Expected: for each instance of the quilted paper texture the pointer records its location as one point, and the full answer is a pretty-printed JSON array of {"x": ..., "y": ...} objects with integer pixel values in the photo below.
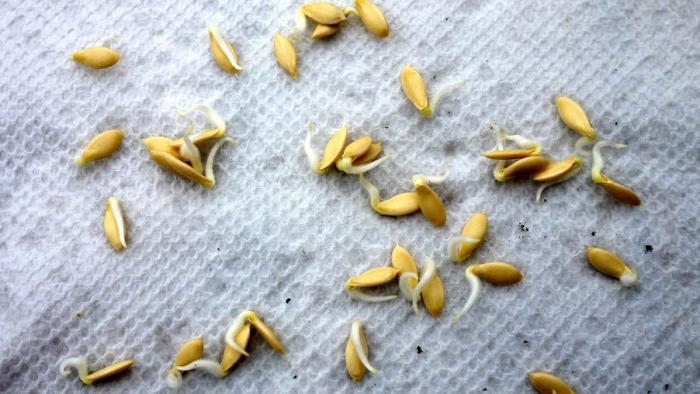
[{"x": 274, "y": 237}]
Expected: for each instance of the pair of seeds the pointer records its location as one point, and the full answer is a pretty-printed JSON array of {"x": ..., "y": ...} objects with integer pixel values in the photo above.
[
  {"x": 414, "y": 87},
  {"x": 423, "y": 198},
  {"x": 357, "y": 352},
  {"x": 81, "y": 367},
  {"x": 545, "y": 383},
  {"x": 100, "y": 147},
  {"x": 528, "y": 162},
  {"x": 182, "y": 156},
  {"x": 610, "y": 264},
  {"x": 355, "y": 158},
  {"x": 331, "y": 18},
  {"x": 189, "y": 357}
]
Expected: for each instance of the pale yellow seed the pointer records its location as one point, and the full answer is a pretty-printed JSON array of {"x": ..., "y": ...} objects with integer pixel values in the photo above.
[
  {"x": 201, "y": 138},
  {"x": 373, "y": 18},
  {"x": 267, "y": 334},
  {"x": 231, "y": 357},
  {"x": 355, "y": 367},
  {"x": 619, "y": 192},
  {"x": 433, "y": 295},
  {"x": 162, "y": 144},
  {"x": 220, "y": 56},
  {"x": 402, "y": 260},
  {"x": 431, "y": 205},
  {"x": 524, "y": 167},
  {"x": 512, "y": 154},
  {"x": 112, "y": 370},
  {"x": 286, "y": 54},
  {"x": 609, "y": 264},
  {"x": 545, "y": 383},
  {"x": 180, "y": 168},
  {"x": 97, "y": 57},
  {"x": 372, "y": 153},
  {"x": 112, "y": 223},
  {"x": 575, "y": 117},
  {"x": 414, "y": 88},
  {"x": 399, "y": 205},
  {"x": 558, "y": 169},
  {"x": 358, "y": 148},
  {"x": 476, "y": 227},
  {"x": 334, "y": 148},
  {"x": 374, "y": 277},
  {"x": 497, "y": 273},
  {"x": 190, "y": 351},
  {"x": 323, "y": 13},
  {"x": 101, "y": 146},
  {"x": 323, "y": 31}
]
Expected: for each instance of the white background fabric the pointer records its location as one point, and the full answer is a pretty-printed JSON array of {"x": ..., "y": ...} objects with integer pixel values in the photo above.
[{"x": 274, "y": 237}]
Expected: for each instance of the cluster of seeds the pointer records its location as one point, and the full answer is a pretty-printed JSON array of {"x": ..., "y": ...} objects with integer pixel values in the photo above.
[{"x": 189, "y": 357}]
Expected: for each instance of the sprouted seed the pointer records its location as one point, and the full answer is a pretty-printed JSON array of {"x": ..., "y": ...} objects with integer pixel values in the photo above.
[
  {"x": 616, "y": 190},
  {"x": 426, "y": 276},
  {"x": 375, "y": 149},
  {"x": 100, "y": 147},
  {"x": 609, "y": 264},
  {"x": 332, "y": 151},
  {"x": 403, "y": 261},
  {"x": 231, "y": 357},
  {"x": 429, "y": 202},
  {"x": 399, "y": 205},
  {"x": 354, "y": 151},
  {"x": 496, "y": 273},
  {"x": 545, "y": 383},
  {"x": 372, "y": 17},
  {"x": 114, "y": 225},
  {"x": 223, "y": 52},
  {"x": 433, "y": 294},
  {"x": 97, "y": 57},
  {"x": 81, "y": 367},
  {"x": 526, "y": 166},
  {"x": 354, "y": 364},
  {"x": 556, "y": 173},
  {"x": 372, "y": 278},
  {"x": 356, "y": 335},
  {"x": 414, "y": 87},
  {"x": 264, "y": 331},
  {"x": 189, "y": 352},
  {"x": 473, "y": 235}
]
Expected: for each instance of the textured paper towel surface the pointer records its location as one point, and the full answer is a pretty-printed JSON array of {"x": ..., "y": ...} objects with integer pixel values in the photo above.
[{"x": 274, "y": 237}]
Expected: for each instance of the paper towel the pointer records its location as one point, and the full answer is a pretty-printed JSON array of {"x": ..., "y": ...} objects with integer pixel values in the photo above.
[{"x": 274, "y": 237}]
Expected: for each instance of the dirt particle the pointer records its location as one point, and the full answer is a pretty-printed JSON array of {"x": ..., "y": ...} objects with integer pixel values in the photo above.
[
  {"x": 419, "y": 350},
  {"x": 522, "y": 227},
  {"x": 288, "y": 299},
  {"x": 79, "y": 315},
  {"x": 648, "y": 249},
  {"x": 666, "y": 387},
  {"x": 294, "y": 377},
  {"x": 593, "y": 233}
]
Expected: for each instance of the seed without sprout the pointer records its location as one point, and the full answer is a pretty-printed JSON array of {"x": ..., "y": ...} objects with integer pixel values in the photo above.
[
  {"x": 180, "y": 168},
  {"x": 97, "y": 57},
  {"x": 223, "y": 52},
  {"x": 496, "y": 273},
  {"x": 575, "y": 117},
  {"x": 114, "y": 225},
  {"x": 609, "y": 264},
  {"x": 323, "y": 31},
  {"x": 358, "y": 147},
  {"x": 372, "y": 153},
  {"x": 100, "y": 147},
  {"x": 545, "y": 383},
  {"x": 373, "y": 18},
  {"x": 512, "y": 154},
  {"x": 286, "y": 54},
  {"x": 473, "y": 235},
  {"x": 323, "y": 13},
  {"x": 334, "y": 149},
  {"x": 80, "y": 365}
]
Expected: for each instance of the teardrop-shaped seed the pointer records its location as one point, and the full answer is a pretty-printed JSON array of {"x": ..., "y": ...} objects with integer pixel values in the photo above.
[
  {"x": 525, "y": 167},
  {"x": 433, "y": 295},
  {"x": 609, "y": 264},
  {"x": 334, "y": 148},
  {"x": 97, "y": 57},
  {"x": 374, "y": 277},
  {"x": 497, "y": 273},
  {"x": 399, "y": 205},
  {"x": 431, "y": 205},
  {"x": 112, "y": 370},
  {"x": 619, "y": 192},
  {"x": 545, "y": 383},
  {"x": 373, "y": 18},
  {"x": 190, "y": 351},
  {"x": 353, "y": 363},
  {"x": 358, "y": 147},
  {"x": 180, "y": 168},
  {"x": 369, "y": 156},
  {"x": 267, "y": 334},
  {"x": 476, "y": 227},
  {"x": 220, "y": 56},
  {"x": 323, "y": 31},
  {"x": 414, "y": 88},
  {"x": 323, "y": 13},
  {"x": 101, "y": 146},
  {"x": 575, "y": 117},
  {"x": 557, "y": 170},
  {"x": 231, "y": 356},
  {"x": 286, "y": 54},
  {"x": 402, "y": 260}
]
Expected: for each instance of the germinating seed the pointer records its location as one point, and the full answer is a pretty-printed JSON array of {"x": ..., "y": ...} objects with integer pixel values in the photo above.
[
  {"x": 114, "y": 225},
  {"x": 399, "y": 205},
  {"x": 264, "y": 331},
  {"x": 354, "y": 364},
  {"x": 496, "y": 273},
  {"x": 97, "y": 57},
  {"x": 223, "y": 52},
  {"x": 358, "y": 147},
  {"x": 523, "y": 168},
  {"x": 429, "y": 202},
  {"x": 356, "y": 335},
  {"x": 372, "y": 153},
  {"x": 433, "y": 295},
  {"x": 473, "y": 235},
  {"x": 556, "y": 173},
  {"x": 80, "y": 365},
  {"x": 609, "y": 264},
  {"x": 616, "y": 190},
  {"x": 100, "y": 147},
  {"x": 414, "y": 88},
  {"x": 231, "y": 357},
  {"x": 372, "y": 278}
]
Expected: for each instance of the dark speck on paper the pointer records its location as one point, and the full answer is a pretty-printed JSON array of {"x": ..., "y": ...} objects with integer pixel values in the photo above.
[
  {"x": 648, "y": 249},
  {"x": 288, "y": 299},
  {"x": 419, "y": 350}
]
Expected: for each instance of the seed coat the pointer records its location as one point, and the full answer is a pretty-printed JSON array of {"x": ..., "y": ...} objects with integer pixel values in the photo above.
[
  {"x": 434, "y": 296},
  {"x": 112, "y": 370},
  {"x": 323, "y": 31},
  {"x": 180, "y": 168}
]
